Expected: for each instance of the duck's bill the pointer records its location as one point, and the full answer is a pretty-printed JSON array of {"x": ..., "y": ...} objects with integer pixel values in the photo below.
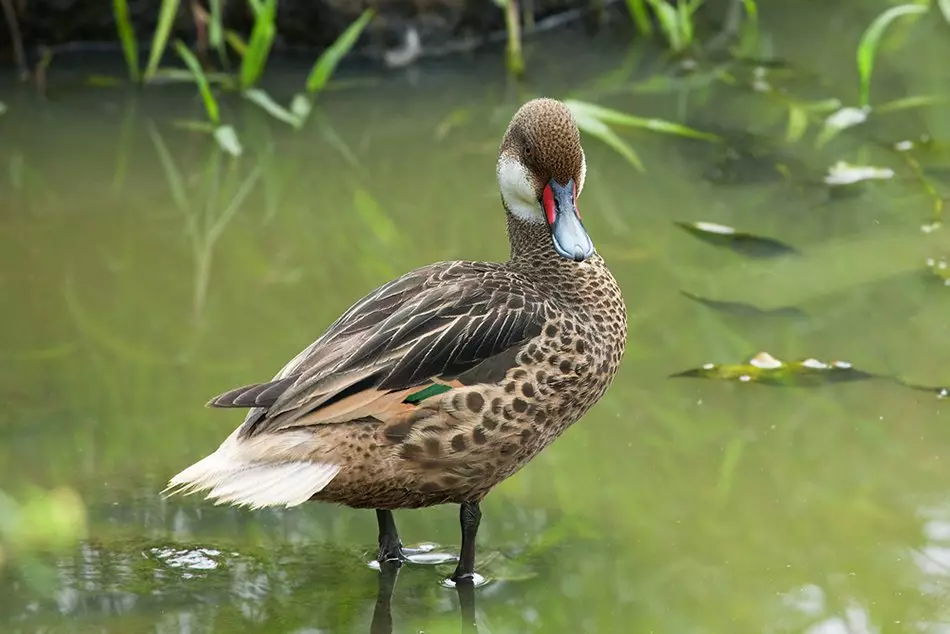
[{"x": 560, "y": 206}]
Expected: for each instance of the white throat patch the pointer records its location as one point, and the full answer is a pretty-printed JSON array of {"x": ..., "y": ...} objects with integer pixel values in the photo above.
[{"x": 517, "y": 190}]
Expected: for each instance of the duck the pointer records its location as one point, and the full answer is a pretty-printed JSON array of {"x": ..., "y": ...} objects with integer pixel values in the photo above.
[{"x": 442, "y": 383}]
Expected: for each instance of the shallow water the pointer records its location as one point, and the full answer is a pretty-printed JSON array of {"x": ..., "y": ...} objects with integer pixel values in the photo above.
[{"x": 676, "y": 505}]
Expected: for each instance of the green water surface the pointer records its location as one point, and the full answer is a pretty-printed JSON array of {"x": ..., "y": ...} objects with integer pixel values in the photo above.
[{"x": 133, "y": 291}]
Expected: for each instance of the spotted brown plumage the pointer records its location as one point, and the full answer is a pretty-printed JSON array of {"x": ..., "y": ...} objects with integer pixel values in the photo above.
[{"x": 440, "y": 384}]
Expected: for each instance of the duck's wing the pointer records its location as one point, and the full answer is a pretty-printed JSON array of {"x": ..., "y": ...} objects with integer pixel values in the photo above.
[{"x": 445, "y": 325}]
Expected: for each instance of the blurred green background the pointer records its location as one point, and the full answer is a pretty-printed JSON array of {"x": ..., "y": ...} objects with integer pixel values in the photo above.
[{"x": 153, "y": 255}]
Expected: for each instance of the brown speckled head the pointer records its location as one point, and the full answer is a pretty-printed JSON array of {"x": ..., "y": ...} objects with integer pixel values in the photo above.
[{"x": 541, "y": 170}]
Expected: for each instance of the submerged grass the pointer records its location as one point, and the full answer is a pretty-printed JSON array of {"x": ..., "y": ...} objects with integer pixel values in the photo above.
[{"x": 871, "y": 39}]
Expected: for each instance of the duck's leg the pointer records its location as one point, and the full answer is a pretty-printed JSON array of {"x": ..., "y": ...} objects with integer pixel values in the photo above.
[
  {"x": 390, "y": 548},
  {"x": 469, "y": 517}
]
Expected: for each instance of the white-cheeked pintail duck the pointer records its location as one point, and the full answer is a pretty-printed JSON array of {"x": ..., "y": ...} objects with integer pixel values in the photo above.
[{"x": 440, "y": 384}]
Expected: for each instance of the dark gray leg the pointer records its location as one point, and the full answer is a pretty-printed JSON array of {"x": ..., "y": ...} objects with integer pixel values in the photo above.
[
  {"x": 390, "y": 548},
  {"x": 469, "y": 517}
]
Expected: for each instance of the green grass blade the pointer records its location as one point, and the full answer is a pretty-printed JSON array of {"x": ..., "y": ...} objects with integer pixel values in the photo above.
[
  {"x": 328, "y": 60},
  {"x": 669, "y": 23},
  {"x": 599, "y": 130},
  {"x": 867, "y": 48},
  {"x": 906, "y": 103},
  {"x": 211, "y": 104},
  {"x": 262, "y": 38},
  {"x": 640, "y": 17},
  {"x": 166, "y": 18},
  {"x": 216, "y": 30},
  {"x": 944, "y": 6},
  {"x": 271, "y": 107},
  {"x": 797, "y": 123},
  {"x": 589, "y": 110},
  {"x": 130, "y": 47}
]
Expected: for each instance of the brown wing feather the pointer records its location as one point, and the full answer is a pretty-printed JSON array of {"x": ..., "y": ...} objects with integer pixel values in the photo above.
[{"x": 441, "y": 323}]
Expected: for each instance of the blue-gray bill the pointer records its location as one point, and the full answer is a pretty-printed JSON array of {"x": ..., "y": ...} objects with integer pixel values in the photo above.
[{"x": 570, "y": 238}]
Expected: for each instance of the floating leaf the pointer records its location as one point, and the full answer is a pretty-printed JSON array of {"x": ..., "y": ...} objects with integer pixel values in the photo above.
[
  {"x": 327, "y": 62},
  {"x": 743, "y": 243},
  {"x": 867, "y": 48},
  {"x": 765, "y": 369},
  {"x": 227, "y": 139},
  {"x": 300, "y": 107},
  {"x": 940, "y": 268},
  {"x": 741, "y": 309},
  {"x": 842, "y": 120},
  {"x": 842, "y": 173},
  {"x": 102, "y": 81},
  {"x": 271, "y": 107}
]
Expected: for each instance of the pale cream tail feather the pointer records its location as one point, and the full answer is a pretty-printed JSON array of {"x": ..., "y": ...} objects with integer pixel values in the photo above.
[{"x": 262, "y": 471}]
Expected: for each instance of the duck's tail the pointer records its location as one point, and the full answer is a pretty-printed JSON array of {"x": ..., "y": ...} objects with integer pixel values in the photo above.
[{"x": 261, "y": 471}]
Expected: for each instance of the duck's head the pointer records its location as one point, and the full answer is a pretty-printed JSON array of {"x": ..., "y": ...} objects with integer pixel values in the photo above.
[{"x": 541, "y": 170}]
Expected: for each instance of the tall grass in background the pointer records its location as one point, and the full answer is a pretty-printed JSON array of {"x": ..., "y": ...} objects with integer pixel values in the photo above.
[{"x": 253, "y": 54}]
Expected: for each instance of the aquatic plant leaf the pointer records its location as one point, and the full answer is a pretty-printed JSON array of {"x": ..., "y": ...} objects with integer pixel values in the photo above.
[
  {"x": 940, "y": 268},
  {"x": 742, "y": 309},
  {"x": 944, "y": 6},
  {"x": 797, "y": 123},
  {"x": 301, "y": 106},
  {"x": 130, "y": 47},
  {"x": 216, "y": 30},
  {"x": 668, "y": 18},
  {"x": 599, "y": 130},
  {"x": 841, "y": 120},
  {"x": 182, "y": 75},
  {"x": 842, "y": 173},
  {"x": 906, "y": 103},
  {"x": 260, "y": 42},
  {"x": 743, "y": 243},
  {"x": 176, "y": 183},
  {"x": 227, "y": 139},
  {"x": 328, "y": 60},
  {"x": 271, "y": 107},
  {"x": 372, "y": 214},
  {"x": 766, "y": 369},
  {"x": 166, "y": 18},
  {"x": 870, "y": 40},
  {"x": 638, "y": 13},
  {"x": 210, "y": 103},
  {"x": 615, "y": 117},
  {"x": 236, "y": 42}
]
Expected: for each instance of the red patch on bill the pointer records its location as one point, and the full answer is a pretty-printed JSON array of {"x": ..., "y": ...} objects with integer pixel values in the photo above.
[{"x": 548, "y": 199}]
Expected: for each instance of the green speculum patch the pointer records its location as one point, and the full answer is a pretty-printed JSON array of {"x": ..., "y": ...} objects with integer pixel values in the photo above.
[{"x": 423, "y": 394}]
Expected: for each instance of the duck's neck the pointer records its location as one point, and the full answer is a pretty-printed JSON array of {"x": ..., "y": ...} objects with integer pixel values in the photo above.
[{"x": 532, "y": 247}]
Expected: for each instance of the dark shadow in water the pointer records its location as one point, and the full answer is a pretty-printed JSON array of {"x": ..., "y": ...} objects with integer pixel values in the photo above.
[{"x": 382, "y": 614}]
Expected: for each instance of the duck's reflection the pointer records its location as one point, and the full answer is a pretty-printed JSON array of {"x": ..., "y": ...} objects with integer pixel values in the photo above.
[{"x": 382, "y": 614}]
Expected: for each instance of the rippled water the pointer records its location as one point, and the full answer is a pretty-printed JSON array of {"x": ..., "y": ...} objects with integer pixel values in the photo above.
[{"x": 676, "y": 505}]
